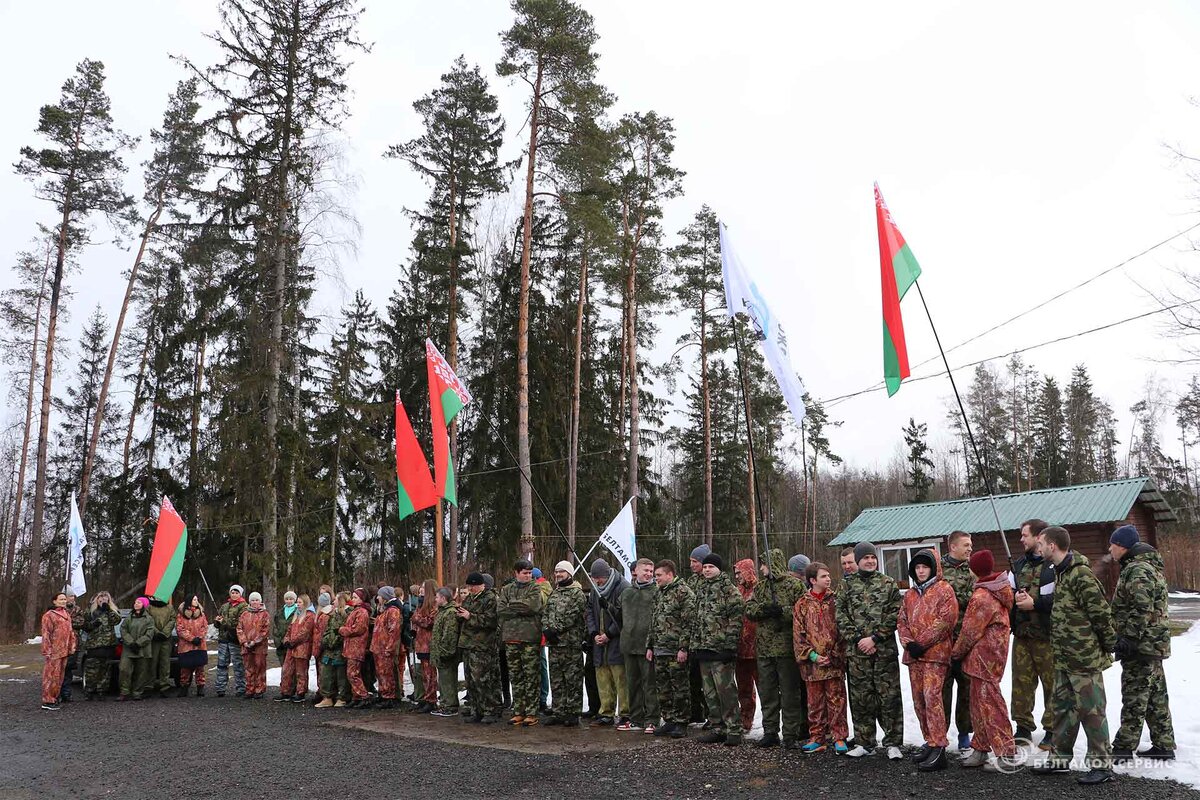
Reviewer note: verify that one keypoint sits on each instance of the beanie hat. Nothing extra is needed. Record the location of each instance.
(798, 562)
(475, 579)
(363, 596)
(700, 552)
(1126, 536)
(488, 580)
(862, 550)
(537, 573)
(141, 601)
(255, 596)
(522, 563)
(237, 588)
(323, 599)
(982, 563)
(289, 596)
(714, 560)
(600, 569)
(565, 566)
(387, 593)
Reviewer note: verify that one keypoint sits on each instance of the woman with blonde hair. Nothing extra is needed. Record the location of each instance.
(191, 626)
(101, 627)
(422, 623)
(297, 650)
(335, 688)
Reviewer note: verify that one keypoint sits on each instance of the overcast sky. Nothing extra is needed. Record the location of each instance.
(1022, 148)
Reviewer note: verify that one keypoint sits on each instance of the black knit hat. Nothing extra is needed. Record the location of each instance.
(475, 579)
(715, 560)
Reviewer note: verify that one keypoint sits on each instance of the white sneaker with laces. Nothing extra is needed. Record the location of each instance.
(859, 751)
(894, 754)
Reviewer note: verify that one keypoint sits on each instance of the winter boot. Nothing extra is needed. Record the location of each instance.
(199, 691)
(768, 740)
(712, 737)
(733, 739)
(922, 753)
(183, 691)
(935, 760)
(1122, 755)
(1095, 776)
(1157, 753)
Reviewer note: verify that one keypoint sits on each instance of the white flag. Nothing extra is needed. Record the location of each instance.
(620, 539)
(742, 295)
(76, 541)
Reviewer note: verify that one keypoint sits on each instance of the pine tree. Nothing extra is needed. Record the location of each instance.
(920, 465)
(989, 423)
(1079, 411)
(1050, 451)
(79, 173)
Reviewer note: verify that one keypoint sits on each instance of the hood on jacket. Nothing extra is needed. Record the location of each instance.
(1143, 552)
(778, 563)
(929, 559)
(156, 603)
(1072, 560)
(745, 569)
(1000, 588)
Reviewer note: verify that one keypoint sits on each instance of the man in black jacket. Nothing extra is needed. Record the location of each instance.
(1033, 661)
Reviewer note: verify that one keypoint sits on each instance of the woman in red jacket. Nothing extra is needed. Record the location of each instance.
(253, 628)
(191, 625)
(354, 645)
(746, 576)
(297, 646)
(58, 644)
(983, 648)
(928, 614)
(422, 624)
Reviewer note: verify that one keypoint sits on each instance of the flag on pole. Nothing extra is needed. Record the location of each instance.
(742, 295)
(414, 485)
(447, 396)
(898, 270)
(166, 558)
(76, 541)
(620, 539)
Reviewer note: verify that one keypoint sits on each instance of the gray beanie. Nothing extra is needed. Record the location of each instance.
(600, 569)
(798, 562)
(700, 552)
(323, 599)
(489, 581)
(255, 596)
(862, 550)
(387, 593)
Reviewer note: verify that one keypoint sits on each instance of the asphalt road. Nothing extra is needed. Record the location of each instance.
(229, 748)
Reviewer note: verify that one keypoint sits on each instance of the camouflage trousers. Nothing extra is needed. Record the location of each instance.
(160, 664)
(97, 675)
(827, 710)
(640, 688)
(1144, 699)
(1033, 663)
(720, 694)
(927, 679)
(293, 679)
(52, 679)
(747, 679)
(484, 665)
(354, 675)
(566, 681)
(874, 683)
(990, 718)
(134, 675)
(962, 711)
(673, 682)
(389, 671)
(1079, 701)
(525, 673)
(782, 693)
(333, 683)
(447, 684)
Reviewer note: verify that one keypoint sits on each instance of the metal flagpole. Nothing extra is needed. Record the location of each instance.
(987, 478)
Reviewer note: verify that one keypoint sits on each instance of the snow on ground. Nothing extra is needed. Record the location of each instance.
(1184, 595)
(34, 640)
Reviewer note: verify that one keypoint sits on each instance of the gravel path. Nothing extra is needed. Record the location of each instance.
(229, 748)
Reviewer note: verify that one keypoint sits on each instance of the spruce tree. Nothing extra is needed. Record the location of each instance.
(1050, 451)
(920, 465)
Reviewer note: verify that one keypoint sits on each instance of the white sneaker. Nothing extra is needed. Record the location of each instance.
(859, 751)
(894, 754)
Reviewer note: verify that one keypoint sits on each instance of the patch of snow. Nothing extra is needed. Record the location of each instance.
(1184, 595)
(5, 666)
(34, 640)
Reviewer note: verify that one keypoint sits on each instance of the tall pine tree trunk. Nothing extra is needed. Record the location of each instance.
(194, 431)
(576, 378)
(523, 456)
(704, 399)
(452, 346)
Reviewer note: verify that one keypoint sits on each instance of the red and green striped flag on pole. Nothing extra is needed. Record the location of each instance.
(898, 271)
(166, 557)
(447, 396)
(414, 485)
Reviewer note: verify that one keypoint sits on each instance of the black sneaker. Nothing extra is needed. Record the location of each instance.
(220, 694)
(679, 732)
(51, 706)
(1051, 766)
(570, 722)
(1023, 733)
(283, 698)
(712, 737)
(921, 754)
(1157, 753)
(1121, 755)
(666, 729)
(1095, 776)
(768, 740)
(733, 739)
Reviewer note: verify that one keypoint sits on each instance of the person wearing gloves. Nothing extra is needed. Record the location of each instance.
(779, 683)
(297, 648)
(354, 632)
(604, 633)
(58, 644)
(519, 609)
(137, 634)
(254, 626)
(637, 611)
(163, 614)
(387, 647)
(479, 640)
(101, 626)
(928, 617)
(191, 626)
(229, 650)
(279, 624)
(868, 607)
(982, 647)
(716, 630)
(443, 650)
(563, 626)
(822, 657)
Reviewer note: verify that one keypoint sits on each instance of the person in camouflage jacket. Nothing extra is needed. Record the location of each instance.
(958, 574)
(1082, 638)
(163, 614)
(667, 644)
(715, 632)
(479, 640)
(101, 645)
(779, 683)
(868, 607)
(229, 650)
(928, 617)
(137, 633)
(331, 674)
(822, 657)
(519, 608)
(1140, 617)
(79, 628)
(443, 650)
(1032, 657)
(564, 628)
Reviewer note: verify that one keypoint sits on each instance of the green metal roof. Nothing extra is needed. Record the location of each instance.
(1068, 505)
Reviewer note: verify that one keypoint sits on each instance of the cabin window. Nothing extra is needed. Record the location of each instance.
(894, 560)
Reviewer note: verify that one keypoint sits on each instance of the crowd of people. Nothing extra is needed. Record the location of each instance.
(668, 651)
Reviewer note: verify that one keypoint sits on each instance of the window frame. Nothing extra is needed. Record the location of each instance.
(910, 548)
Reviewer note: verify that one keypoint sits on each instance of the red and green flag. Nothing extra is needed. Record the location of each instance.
(414, 485)
(447, 396)
(898, 271)
(166, 557)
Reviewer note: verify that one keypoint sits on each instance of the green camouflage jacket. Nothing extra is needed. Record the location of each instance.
(637, 612)
(101, 628)
(773, 638)
(1139, 606)
(481, 630)
(139, 632)
(1082, 636)
(1031, 573)
(718, 622)
(671, 626)
(519, 609)
(443, 644)
(958, 574)
(331, 640)
(163, 615)
(79, 619)
(279, 625)
(564, 615)
(230, 613)
(868, 604)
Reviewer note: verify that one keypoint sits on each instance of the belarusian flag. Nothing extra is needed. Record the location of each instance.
(898, 271)
(414, 486)
(447, 396)
(166, 557)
